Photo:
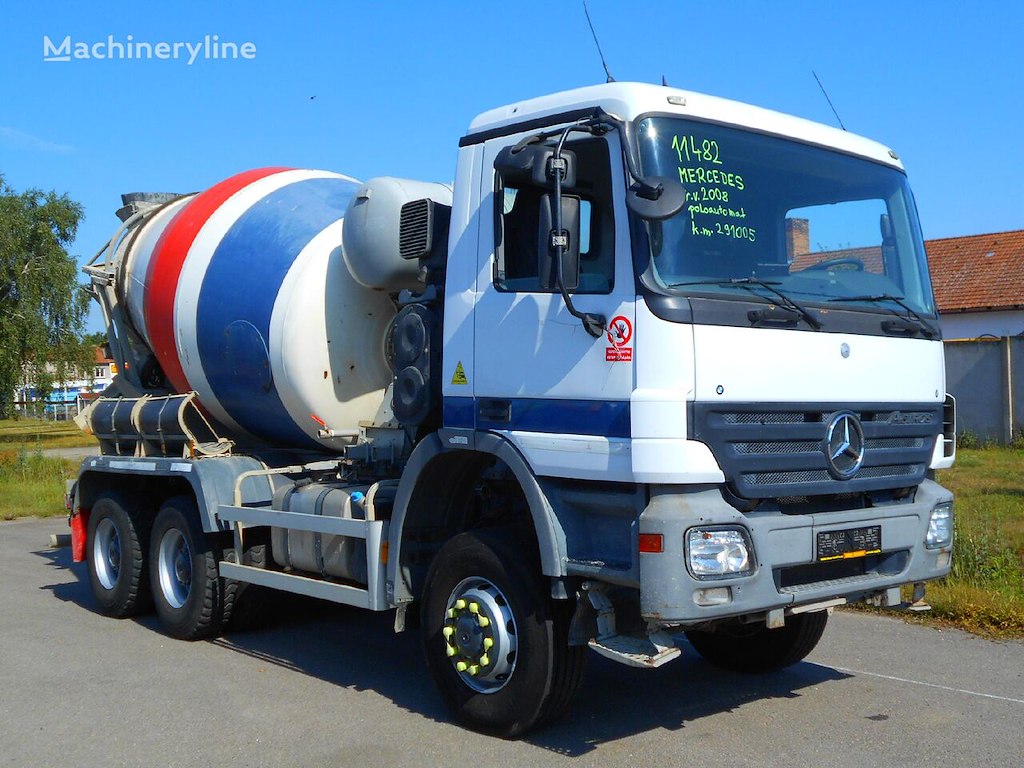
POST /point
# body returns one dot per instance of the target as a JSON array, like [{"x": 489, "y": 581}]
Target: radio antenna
[
  {"x": 828, "y": 100},
  {"x": 599, "y": 51}
]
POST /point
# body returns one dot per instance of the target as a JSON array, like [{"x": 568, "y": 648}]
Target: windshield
[{"x": 815, "y": 224}]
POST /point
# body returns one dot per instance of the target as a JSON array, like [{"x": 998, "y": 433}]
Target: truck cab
[{"x": 770, "y": 374}]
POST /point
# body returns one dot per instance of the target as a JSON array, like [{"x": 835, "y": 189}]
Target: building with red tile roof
[{"x": 979, "y": 284}]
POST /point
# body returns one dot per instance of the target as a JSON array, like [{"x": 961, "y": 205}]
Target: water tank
[{"x": 381, "y": 233}]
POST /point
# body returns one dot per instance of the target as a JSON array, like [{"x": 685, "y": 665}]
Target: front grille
[
  {"x": 793, "y": 446},
  {"x": 771, "y": 451},
  {"x": 822, "y": 475},
  {"x": 767, "y": 417},
  {"x": 810, "y": 446},
  {"x": 895, "y": 442}
]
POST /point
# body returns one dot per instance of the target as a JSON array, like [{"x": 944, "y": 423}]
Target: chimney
[{"x": 798, "y": 238}]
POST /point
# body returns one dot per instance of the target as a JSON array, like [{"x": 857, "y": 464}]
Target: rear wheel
[
  {"x": 252, "y": 605},
  {"x": 191, "y": 599},
  {"x": 116, "y": 558},
  {"x": 755, "y": 648},
  {"x": 495, "y": 642}
]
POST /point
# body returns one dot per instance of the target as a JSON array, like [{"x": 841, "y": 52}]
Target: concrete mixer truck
[{"x": 655, "y": 365}]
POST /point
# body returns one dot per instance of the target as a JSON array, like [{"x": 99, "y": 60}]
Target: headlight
[
  {"x": 715, "y": 553},
  {"x": 940, "y": 526}
]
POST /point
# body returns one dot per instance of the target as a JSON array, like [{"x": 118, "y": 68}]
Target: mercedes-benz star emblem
[{"x": 844, "y": 446}]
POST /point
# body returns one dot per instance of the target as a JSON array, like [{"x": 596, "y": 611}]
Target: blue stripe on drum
[{"x": 238, "y": 295}]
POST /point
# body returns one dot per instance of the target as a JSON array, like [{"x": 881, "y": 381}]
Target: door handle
[{"x": 494, "y": 410}]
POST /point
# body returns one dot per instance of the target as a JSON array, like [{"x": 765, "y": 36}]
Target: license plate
[{"x": 849, "y": 543}]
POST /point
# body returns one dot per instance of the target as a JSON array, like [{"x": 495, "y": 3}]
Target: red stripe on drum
[{"x": 168, "y": 258}]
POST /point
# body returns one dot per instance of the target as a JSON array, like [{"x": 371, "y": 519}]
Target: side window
[{"x": 517, "y": 219}]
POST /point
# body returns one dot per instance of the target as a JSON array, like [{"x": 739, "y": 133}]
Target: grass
[
  {"x": 31, "y": 484},
  {"x": 33, "y": 433},
  {"x": 985, "y": 590}
]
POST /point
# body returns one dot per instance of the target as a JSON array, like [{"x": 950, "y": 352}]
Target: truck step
[
  {"x": 302, "y": 585},
  {"x": 645, "y": 652}
]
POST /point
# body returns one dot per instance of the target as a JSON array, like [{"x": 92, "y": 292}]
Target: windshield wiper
[
  {"x": 926, "y": 328},
  {"x": 747, "y": 282}
]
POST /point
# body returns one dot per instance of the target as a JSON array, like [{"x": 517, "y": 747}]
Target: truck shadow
[
  {"x": 616, "y": 702},
  {"x": 348, "y": 647},
  {"x": 359, "y": 650}
]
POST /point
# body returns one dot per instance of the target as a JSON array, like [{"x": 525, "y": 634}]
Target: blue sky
[{"x": 396, "y": 84}]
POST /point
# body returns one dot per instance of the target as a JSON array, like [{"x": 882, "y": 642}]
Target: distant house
[
  {"x": 104, "y": 367},
  {"x": 979, "y": 284},
  {"x": 93, "y": 380},
  {"x": 90, "y": 382}
]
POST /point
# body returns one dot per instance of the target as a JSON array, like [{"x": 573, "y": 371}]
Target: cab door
[{"x": 540, "y": 377}]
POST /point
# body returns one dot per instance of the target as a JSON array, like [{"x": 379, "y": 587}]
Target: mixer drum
[{"x": 243, "y": 295}]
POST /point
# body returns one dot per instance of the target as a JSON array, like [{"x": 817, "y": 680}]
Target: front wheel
[
  {"x": 755, "y": 648},
  {"x": 495, "y": 642},
  {"x": 191, "y": 599}
]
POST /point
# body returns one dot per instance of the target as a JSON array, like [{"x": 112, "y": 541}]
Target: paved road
[
  {"x": 334, "y": 686},
  {"x": 72, "y": 454}
]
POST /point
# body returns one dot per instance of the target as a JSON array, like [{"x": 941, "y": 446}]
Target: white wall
[{"x": 972, "y": 325}]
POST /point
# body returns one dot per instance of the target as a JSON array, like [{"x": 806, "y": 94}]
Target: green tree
[
  {"x": 42, "y": 305},
  {"x": 94, "y": 340}
]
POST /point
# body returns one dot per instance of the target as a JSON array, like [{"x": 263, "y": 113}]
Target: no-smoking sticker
[{"x": 620, "y": 336}]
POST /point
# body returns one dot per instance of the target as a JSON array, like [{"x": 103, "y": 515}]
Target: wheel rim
[
  {"x": 480, "y": 636},
  {"x": 106, "y": 553},
  {"x": 174, "y": 566}
]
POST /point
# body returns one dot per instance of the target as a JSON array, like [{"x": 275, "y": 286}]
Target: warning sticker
[
  {"x": 460, "y": 375},
  {"x": 620, "y": 334}
]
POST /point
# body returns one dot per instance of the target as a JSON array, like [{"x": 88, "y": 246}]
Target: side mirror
[
  {"x": 656, "y": 198},
  {"x": 547, "y": 268},
  {"x": 531, "y": 165}
]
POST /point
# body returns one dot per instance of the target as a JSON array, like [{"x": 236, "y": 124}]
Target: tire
[
  {"x": 755, "y": 648},
  {"x": 116, "y": 555},
  {"x": 528, "y": 674},
  {"x": 251, "y": 605},
  {"x": 191, "y": 599}
]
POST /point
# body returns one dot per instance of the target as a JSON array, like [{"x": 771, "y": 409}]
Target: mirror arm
[
  {"x": 524, "y": 143},
  {"x": 595, "y": 325},
  {"x": 600, "y": 123},
  {"x": 640, "y": 185}
]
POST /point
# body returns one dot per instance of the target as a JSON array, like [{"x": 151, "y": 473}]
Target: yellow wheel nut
[
  {"x": 474, "y": 669},
  {"x": 450, "y": 650},
  {"x": 488, "y": 643},
  {"x": 483, "y": 621},
  {"x": 448, "y": 632},
  {"x": 474, "y": 608},
  {"x": 452, "y": 613},
  {"x": 462, "y": 666},
  {"x": 460, "y": 604},
  {"x": 485, "y": 660}
]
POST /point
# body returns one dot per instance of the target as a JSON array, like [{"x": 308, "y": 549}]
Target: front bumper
[{"x": 786, "y": 574}]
